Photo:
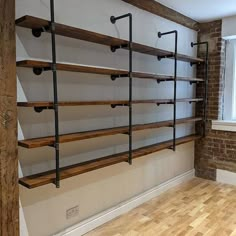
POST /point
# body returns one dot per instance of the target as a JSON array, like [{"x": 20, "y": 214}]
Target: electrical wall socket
[{"x": 72, "y": 212}]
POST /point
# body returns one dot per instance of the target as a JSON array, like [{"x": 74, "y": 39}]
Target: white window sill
[{"x": 224, "y": 125}]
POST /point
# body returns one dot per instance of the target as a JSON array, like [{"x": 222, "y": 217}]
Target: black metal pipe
[
  {"x": 130, "y": 85},
  {"x": 206, "y": 89},
  {"x": 55, "y": 104},
  {"x": 166, "y": 33},
  {"x": 40, "y": 109},
  {"x": 113, "y": 20},
  {"x": 114, "y": 48},
  {"x": 206, "y": 84},
  {"x": 165, "y": 56},
  {"x": 114, "y": 77},
  {"x": 199, "y": 43},
  {"x": 175, "y": 80},
  {"x": 175, "y": 89}
]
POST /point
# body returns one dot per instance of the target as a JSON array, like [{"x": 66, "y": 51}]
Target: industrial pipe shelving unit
[{"x": 39, "y": 26}]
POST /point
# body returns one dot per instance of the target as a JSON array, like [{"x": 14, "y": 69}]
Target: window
[{"x": 230, "y": 81}]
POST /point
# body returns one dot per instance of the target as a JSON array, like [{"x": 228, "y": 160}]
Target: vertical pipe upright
[
  {"x": 130, "y": 87},
  {"x": 130, "y": 75},
  {"x": 175, "y": 90},
  {"x": 175, "y": 79},
  {"x": 55, "y": 105},
  {"x": 206, "y": 89}
]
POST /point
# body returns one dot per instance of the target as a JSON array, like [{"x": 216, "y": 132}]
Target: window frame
[{"x": 229, "y": 109}]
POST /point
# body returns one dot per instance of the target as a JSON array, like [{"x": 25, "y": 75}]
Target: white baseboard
[
  {"x": 108, "y": 215},
  {"x": 226, "y": 177}
]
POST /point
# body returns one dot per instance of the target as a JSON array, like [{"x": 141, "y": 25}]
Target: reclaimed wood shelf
[
  {"x": 48, "y": 177},
  {"x": 85, "y": 35},
  {"x": 102, "y": 71},
  {"x": 65, "y": 138},
  {"x": 48, "y": 105}
]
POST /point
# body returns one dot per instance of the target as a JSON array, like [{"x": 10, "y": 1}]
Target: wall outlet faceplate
[{"x": 72, "y": 212}]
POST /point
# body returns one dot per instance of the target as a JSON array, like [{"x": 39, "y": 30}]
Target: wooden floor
[{"x": 198, "y": 207}]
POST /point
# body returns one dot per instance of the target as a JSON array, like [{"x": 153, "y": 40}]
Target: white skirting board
[
  {"x": 100, "y": 219},
  {"x": 225, "y": 177}
]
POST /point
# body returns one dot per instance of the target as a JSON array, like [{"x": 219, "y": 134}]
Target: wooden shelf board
[
  {"x": 48, "y": 177},
  {"x": 143, "y": 75},
  {"x": 103, "y": 103},
  {"x": 71, "y": 67},
  {"x": 102, "y": 71},
  {"x": 65, "y": 138},
  {"x": 76, "y": 33}
]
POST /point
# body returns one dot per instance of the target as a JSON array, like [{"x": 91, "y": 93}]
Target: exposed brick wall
[
  {"x": 211, "y": 32},
  {"x": 218, "y": 148}
]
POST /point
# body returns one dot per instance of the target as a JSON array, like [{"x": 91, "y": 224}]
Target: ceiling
[{"x": 202, "y": 10}]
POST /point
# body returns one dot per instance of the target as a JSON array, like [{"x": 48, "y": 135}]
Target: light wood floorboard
[{"x": 198, "y": 207}]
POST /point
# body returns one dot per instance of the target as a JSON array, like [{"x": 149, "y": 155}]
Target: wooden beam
[
  {"x": 9, "y": 188},
  {"x": 165, "y": 12}
]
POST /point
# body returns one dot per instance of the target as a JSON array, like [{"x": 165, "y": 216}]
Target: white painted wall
[
  {"x": 228, "y": 27},
  {"x": 225, "y": 177},
  {"x": 44, "y": 208},
  {"x": 202, "y": 11}
]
